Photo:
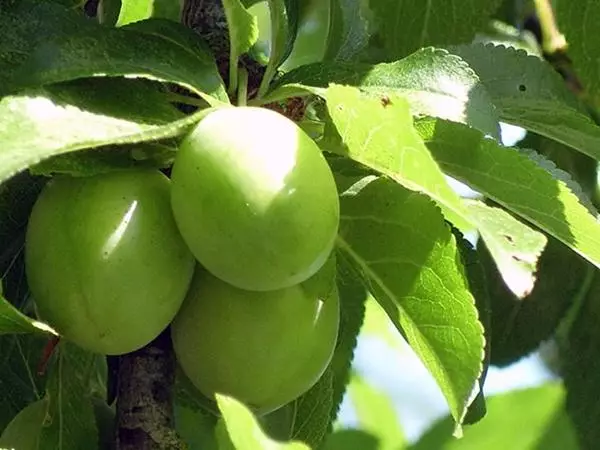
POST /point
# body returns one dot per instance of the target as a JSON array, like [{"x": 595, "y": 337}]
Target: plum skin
[
  {"x": 104, "y": 259},
  {"x": 254, "y": 199},
  {"x": 263, "y": 348}
]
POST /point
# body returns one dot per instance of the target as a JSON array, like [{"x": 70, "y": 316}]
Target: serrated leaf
[
  {"x": 409, "y": 25},
  {"x": 528, "y": 92},
  {"x": 243, "y": 431},
  {"x": 353, "y": 295},
  {"x": 23, "y": 432},
  {"x": 411, "y": 265},
  {"x": 21, "y": 385},
  {"x": 157, "y": 49},
  {"x": 516, "y": 182},
  {"x": 348, "y": 33},
  {"x": 376, "y": 414},
  {"x": 576, "y": 19},
  {"x": 514, "y": 246},
  {"x": 313, "y": 412},
  {"x": 478, "y": 285},
  {"x": 71, "y": 422},
  {"x": 535, "y": 417},
  {"x": 580, "y": 366},
  {"x": 45, "y": 123},
  {"x": 520, "y": 325},
  {"x": 434, "y": 82}
]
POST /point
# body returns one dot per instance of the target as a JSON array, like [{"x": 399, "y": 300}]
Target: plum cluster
[{"x": 235, "y": 251}]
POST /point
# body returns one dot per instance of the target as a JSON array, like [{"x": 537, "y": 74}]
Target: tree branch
[{"x": 145, "y": 398}]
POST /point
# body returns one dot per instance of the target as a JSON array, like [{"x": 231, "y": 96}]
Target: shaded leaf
[
  {"x": 26, "y": 25},
  {"x": 157, "y": 49},
  {"x": 528, "y": 92},
  {"x": 434, "y": 82},
  {"x": 580, "y": 366},
  {"x": 519, "y": 420},
  {"x": 516, "y": 182},
  {"x": 23, "y": 432},
  {"x": 71, "y": 422},
  {"x": 519, "y": 326},
  {"x": 376, "y": 414},
  {"x": 20, "y": 356},
  {"x": 577, "y": 19},
  {"x": 353, "y": 295},
  {"x": 349, "y": 439},
  {"x": 412, "y": 24},
  {"x": 243, "y": 34},
  {"x": 348, "y": 33},
  {"x": 411, "y": 266},
  {"x": 515, "y": 246}
]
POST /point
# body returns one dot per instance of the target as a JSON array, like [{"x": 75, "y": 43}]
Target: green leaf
[
  {"x": 20, "y": 356},
  {"x": 27, "y": 25},
  {"x": 313, "y": 412},
  {"x": 13, "y": 321},
  {"x": 195, "y": 426},
  {"x": 478, "y": 285},
  {"x": 516, "y": 182},
  {"x": 353, "y": 295},
  {"x": 528, "y": 92},
  {"x": 71, "y": 421},
  {"x": 45, "y": 123},
  {"x": 243, "y": 34},
  {"x": 350, "y": 439},
  {"x": 284, "y": 25},
  {"x": 312, "y": 36},
  {"x": 520, "y": 325},
  {"x": 412, "y": 267},
  {"x": 412, "y": 24},
  {"x": 156, "y": 49},
  {"x": 434, "y": 82},
  {"x": 23, "y": 432},
  {"x": 134, "y": 10},
  {"x": 349, "y": 33},
  {"x": 580, "y": 365},
  {"x": 514, "y": 246},
  {"x": 525, "y": 419},
  {"x": 381, "y": 136},
  {"x": 376, "y": 414},
  {"x": 576, "y": 19},
  {"x": 241, "y": 429}
]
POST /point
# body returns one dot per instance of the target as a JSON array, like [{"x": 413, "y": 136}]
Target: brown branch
[{"x": 145, "y": 398}]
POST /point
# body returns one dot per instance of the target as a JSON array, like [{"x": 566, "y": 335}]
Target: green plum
[
  {"x": 105, "y": 262},
  {"x": 264, "y": 348},
  {"x": 255, "y": 199}
]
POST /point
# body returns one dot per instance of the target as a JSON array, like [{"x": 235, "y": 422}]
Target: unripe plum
[
  {"x": 255, "y": 199},
  {"x": 105, "y": 262}
]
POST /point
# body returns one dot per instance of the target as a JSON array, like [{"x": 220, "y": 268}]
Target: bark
[{"x": 145, "y": 398}]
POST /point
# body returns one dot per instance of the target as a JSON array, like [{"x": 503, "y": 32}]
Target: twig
[{"x": 553, "y": 41}]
